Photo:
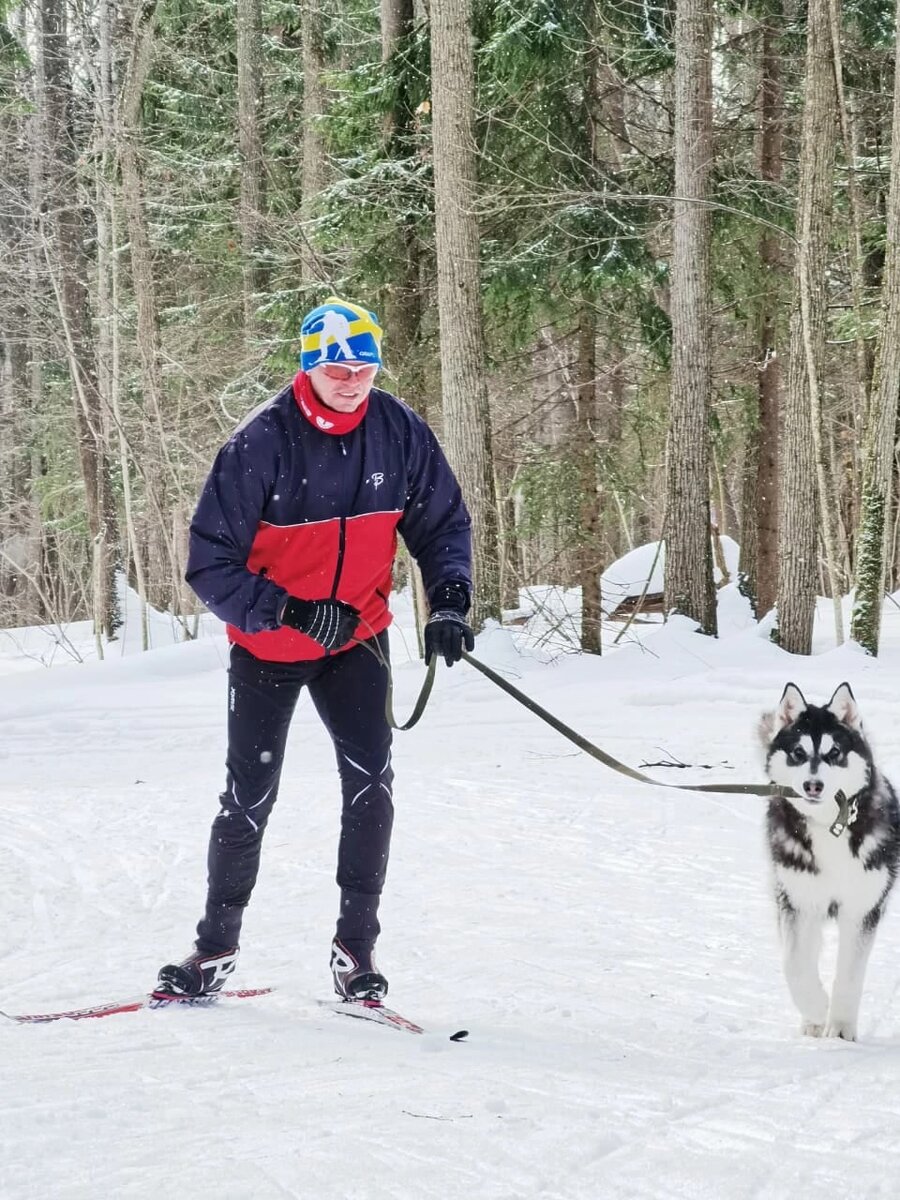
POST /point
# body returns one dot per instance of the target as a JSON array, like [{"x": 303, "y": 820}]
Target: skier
[{"x": 292, "y": 545}]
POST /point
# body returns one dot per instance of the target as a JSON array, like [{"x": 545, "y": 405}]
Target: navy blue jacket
[{"x": 289, "y": 509}]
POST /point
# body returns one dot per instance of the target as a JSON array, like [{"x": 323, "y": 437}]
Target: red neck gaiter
[{"x": 320, "y": 415}]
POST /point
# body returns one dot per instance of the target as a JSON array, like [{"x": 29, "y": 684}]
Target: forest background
[{"x": 636, "y": 262}]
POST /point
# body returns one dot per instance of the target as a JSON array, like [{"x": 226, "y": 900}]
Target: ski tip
[{"x": 459, "y": 1036}]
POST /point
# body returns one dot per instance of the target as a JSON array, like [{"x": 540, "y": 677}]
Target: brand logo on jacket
[{"x": 377, "y": 479}]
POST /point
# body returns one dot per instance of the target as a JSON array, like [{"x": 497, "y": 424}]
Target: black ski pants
[{"x": 348, "y": 691}]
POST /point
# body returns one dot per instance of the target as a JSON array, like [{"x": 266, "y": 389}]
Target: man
[{"x": 292, "y": 545}]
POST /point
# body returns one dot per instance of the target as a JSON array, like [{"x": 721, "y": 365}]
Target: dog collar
[{"x": 848, "y": 811}]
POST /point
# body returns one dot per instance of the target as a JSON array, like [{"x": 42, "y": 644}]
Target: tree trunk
[
  {"x": 800, "y": 495},
  {"x": 17, "y": 560},
  {"x": 404, "y": 303},
  {"x": 589, "y": 554},
  {"x": 69, "y": 276},
  {"x": 467, "y": 420},
  {"x": 511, "y": 573},
  {"x": 37, "y": 298},
  {"x": 253, "y": 178},
  {"x": 108, "y": 313},
  {"x": 882, "y": 422},
  {"x": 758, "y": 567},
  {"x": 588, "y": 550},
  {"x": 313, "y": 172},
  {"x": 689, "y": 583},
  {"x": 149, "y": 341}
]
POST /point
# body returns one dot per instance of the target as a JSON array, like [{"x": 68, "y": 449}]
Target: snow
[
  {"x": 629, "y": 575},
  {"x": 610, "y": 945}
]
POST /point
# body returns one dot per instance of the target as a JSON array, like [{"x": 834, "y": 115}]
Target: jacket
[{"x": 288, "y": 509}]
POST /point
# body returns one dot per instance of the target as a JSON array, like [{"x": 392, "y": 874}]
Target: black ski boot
[
  {"x": 355, "y": 975},
  {"x": 199, "y": 975}
]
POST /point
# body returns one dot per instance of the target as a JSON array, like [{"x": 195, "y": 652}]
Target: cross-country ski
[{"x": 149, "y": 1000}]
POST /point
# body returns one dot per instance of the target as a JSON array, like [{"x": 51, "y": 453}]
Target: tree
[
  {"x": 882, "y": 417},
  {"x": 689, "y": 586},
  {"x": 253, "y": 177},
  {"x": 405, "y": 304},
  {"x": 313, "y": 170},
  {"x": 759, "y": 508},
  {"x": 801, "y": 501},
  {"x": 467, "y": 419},
  {"x": 68, "y": 269}
]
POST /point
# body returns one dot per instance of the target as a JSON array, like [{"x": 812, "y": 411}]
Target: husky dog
[{"x": 835, "y": 847}]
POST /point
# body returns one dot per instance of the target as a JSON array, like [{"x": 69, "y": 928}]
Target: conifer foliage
[{"x": 642, "y": 282}]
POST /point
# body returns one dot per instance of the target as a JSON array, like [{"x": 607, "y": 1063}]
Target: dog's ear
[
  {"x": 791, "y": 706},
  {"x": 843, "y": 705}
]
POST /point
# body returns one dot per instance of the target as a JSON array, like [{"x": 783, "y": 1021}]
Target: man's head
[{"x": 340, "y": 351}]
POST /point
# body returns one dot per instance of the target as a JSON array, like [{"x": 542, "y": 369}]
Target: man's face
[{"x": 343, "y": 386}]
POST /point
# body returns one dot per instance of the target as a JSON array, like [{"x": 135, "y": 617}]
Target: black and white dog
[{"x": 835, "y": 849}]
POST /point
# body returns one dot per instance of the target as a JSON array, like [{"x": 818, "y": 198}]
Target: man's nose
[{"x": 813, "y": 787}]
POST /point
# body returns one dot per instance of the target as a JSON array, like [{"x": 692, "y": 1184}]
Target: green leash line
[
  {"x": 419, "y": 706},
  {"x": 374, "y": 649},
  {"x": 847, "y": 807},
  {"x": 746, "y": 789}
]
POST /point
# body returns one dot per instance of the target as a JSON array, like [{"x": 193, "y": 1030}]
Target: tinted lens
[
  {"x": 333, "y": 371},
  {"x": 338, "y": 371}
]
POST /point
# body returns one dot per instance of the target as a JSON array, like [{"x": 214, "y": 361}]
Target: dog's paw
[
  {"x": 846, "y": 1030},
  {"x": 812, "y": 1029}
]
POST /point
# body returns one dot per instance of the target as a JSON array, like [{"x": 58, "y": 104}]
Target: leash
[
  {"x": 419, "y": 706},
  {"x": 371, "y": 644},
  {"x": 745, "y": 789},
  {"x": 847, "y": 808}
]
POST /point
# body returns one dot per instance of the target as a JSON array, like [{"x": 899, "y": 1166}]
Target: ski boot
[
  {"x": 200, "y": 974},
  {"x": 354, "y": 972}
]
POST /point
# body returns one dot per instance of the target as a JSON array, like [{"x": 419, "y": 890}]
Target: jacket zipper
[{"x": 342, "y": 537}]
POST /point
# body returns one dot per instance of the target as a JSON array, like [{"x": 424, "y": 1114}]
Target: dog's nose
[{"x": 813, "y": 787}]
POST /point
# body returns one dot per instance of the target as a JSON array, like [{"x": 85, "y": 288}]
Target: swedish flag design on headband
[{"x": 339, "y": 331}]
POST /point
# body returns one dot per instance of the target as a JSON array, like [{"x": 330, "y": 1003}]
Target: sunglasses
[{"x": 340, "y": 372}]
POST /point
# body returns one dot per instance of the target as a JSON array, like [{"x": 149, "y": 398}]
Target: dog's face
[{"x": 817, "y": 752}]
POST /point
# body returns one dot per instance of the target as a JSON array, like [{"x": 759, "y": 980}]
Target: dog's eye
[
  {"x": 797, "y": 755},
  {"x": 833, "y": 755}
]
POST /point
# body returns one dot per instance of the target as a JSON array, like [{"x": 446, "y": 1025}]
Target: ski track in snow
[{"x": 610, "y": 946}]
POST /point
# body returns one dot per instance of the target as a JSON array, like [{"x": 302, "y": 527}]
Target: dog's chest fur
[{"x": 814, "y": 870}]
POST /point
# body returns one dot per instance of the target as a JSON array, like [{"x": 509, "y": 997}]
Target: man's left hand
[{"x": 446, "y": 632}]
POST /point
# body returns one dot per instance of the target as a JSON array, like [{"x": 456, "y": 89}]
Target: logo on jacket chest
[{"x": 376, "y": 479}]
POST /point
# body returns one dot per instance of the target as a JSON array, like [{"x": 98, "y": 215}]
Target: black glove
[
  {"x": 445, "y": 632},
  {"x": 331, "y": 623}
]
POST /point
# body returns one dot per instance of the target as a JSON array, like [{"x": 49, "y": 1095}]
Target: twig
[{"x": 432, "y": 1117}]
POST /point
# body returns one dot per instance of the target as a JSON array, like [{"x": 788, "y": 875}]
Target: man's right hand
[{"x": 331, "y": 623}]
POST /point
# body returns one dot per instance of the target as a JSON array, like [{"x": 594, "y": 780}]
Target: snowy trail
[{"x": 610, "y": 946}]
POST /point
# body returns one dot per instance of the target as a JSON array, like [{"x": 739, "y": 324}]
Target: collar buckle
[{"x": 848, "y": 811}]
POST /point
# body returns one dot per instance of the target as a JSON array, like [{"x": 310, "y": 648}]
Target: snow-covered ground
[{"x": 610, "y": 946}]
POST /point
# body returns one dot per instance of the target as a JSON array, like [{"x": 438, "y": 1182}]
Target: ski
[
  {"x": 364, "y": 1010},
  {"x": 380, "y": 1014},
  {"x": 149, "y": 1000}
]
